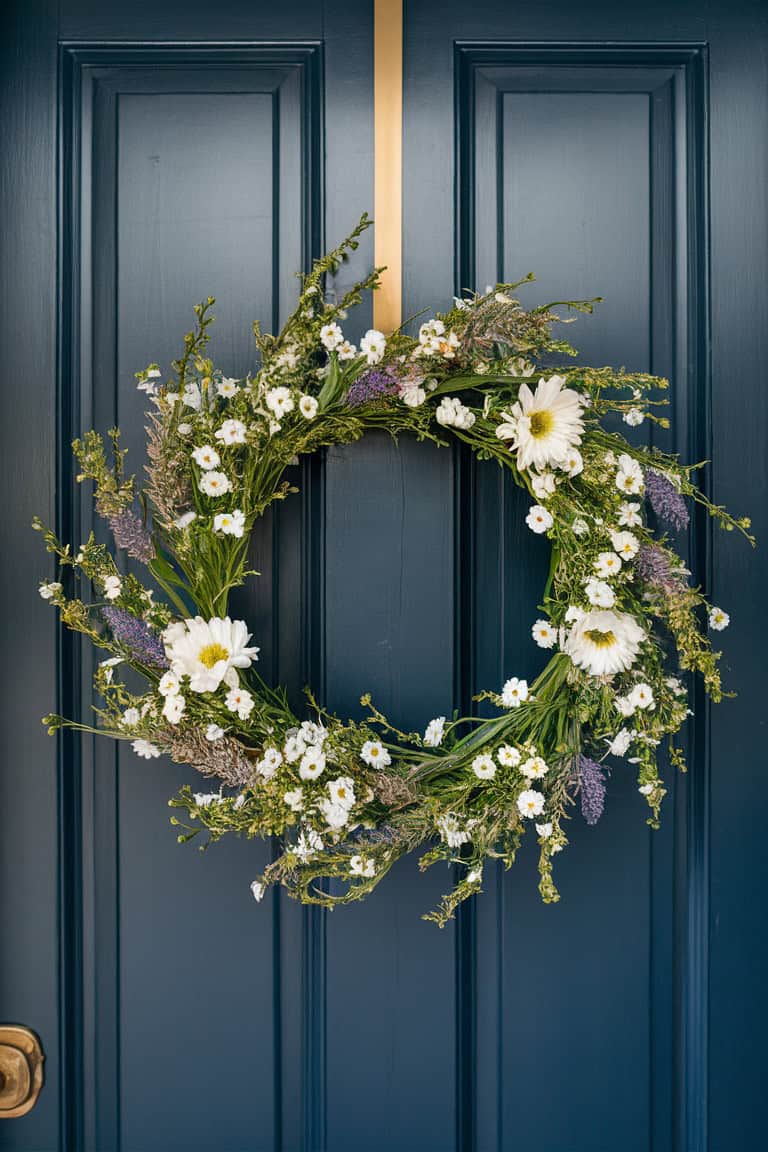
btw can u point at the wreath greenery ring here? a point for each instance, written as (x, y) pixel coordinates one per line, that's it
(348, 798)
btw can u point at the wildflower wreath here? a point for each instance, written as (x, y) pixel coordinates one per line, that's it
(349, 798)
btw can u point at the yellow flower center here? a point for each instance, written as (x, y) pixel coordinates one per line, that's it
(600, 639)
(341, 793)
(541, 423)
(211, 654)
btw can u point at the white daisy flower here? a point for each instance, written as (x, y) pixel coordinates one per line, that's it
(312, 764)
(620, 743)
(544, 830)
(484, 767)
(433, 736)
(346, 351)
(213, 733)
(572, 463)
(629, 515)
(625, 544)
(288, 358)
(508, 756)
(452, 831)
(599, 594)
(544, 634)
(373, 345)
(543, 426)
(412, 395)
(279, 401)
(169, 684)
(215, 483)
(173, 709)
(232, 431)
(269, 763)
(294, 749)
(184, 521)
(579, 527)
(206, 457)
(629, 477)
(230, 523)
(538, 519)
(604, 642)
(342, 791)
(374, 753)
(514, 692)
(360, 866)
(146, 749)
(48, 591)
(607, 564)
(543, 485)
(227, 387)
(430, 330)
(113, 586)
(641, 696)
(294, 799)
(530, 803)
(534, 768)
(331, 336)
(624, 706)
(206, 650)
(718, 619)
(336, 816)
(308, 407)
(239, 701)
(313, 733)
(634, 417)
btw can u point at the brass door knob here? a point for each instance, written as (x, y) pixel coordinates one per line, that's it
(21, 1070)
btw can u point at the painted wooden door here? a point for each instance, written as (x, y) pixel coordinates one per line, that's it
(159, 152)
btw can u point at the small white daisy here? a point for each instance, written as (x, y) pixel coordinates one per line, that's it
(239, 701)
(174, 706)
(279, 401)
(308, 407)
(530, 803)
(538, 519)
(294, 799)
(718, 619)
(634, 417)
(641, 696)
(508, 756)
(534, 768)
(373, 345)
(625, 544)
(230, 523)
(600, 594)
(374, 753)
(607, 564)
(514, 692)
(213, 733)
(145, 749)
(206, 457)
(484, 767)
(312, 764)
(227, 387)
(629, 515)
(331, 336)
(231, 432)
(169, 684)
(433, 736)
(215, 484)
(48, 591)
(544, 634)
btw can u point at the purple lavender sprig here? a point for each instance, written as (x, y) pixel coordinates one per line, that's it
(592, 789)
(130, 534)
(136, 635)
(665, 500)
(654, 568)
(372, 385)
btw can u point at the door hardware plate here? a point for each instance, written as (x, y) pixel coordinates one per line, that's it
(21, 1070)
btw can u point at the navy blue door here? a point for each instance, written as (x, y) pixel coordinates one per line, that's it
(156, 153)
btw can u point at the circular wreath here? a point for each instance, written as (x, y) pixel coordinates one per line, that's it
(349, 798)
